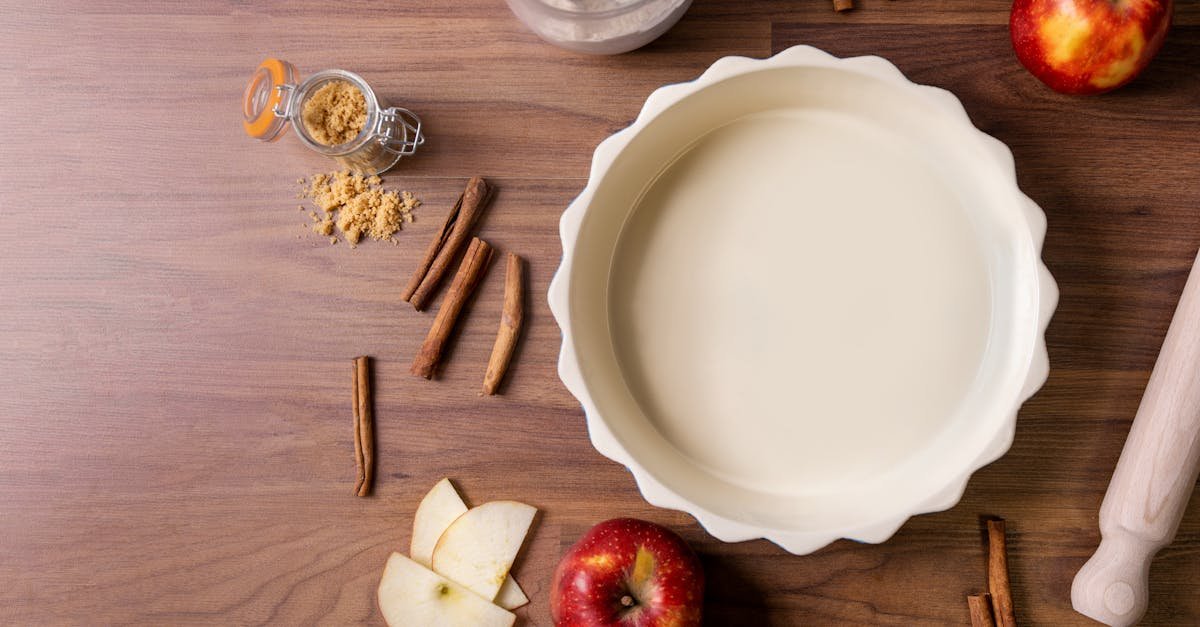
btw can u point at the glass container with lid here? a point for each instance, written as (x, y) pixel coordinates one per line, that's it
(273, 100)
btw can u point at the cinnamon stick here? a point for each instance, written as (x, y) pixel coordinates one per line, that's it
(511, 320)
(360, 471)
(998, 587)
(843, 5)
(445, 246)
(981, 610)
(364, 428)
(470, 271)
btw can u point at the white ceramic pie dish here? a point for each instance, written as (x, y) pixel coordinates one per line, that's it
(802, 299)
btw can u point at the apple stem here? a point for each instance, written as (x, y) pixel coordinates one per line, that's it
(627, 601)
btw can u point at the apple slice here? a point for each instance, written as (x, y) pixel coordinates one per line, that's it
(478, 548)
(440, 507)
(437, 510)
(410, 594)
(511, 596)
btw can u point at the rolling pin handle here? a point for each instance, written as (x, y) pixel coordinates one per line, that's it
(1113, 587)
(1154, 477)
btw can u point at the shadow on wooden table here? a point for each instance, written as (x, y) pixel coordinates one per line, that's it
(729, 597)
(1175, 63)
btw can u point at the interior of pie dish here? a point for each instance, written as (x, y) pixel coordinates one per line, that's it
(805, 298)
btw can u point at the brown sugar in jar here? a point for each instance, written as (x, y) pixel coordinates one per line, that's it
(334, 112)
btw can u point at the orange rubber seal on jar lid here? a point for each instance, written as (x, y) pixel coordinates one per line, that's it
(263, 97)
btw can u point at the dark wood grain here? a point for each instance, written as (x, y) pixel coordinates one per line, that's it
(174, 436)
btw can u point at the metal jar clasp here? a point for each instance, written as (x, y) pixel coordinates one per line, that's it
(400, 130)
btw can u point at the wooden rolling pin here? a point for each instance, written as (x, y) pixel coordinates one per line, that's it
(1154, 477)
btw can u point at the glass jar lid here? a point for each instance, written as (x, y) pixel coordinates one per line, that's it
(264, 98)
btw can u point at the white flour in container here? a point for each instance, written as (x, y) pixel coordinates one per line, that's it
(604, 26)
(638, 20)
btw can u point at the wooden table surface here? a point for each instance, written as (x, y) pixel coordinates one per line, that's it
(175, 432)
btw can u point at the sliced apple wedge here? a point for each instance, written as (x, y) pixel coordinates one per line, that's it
(511, 596)
(478, 548)
(440, 507)
(411, 594)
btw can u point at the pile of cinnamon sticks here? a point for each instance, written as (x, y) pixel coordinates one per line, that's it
(994, 607)
(430, 272)
(455, 233)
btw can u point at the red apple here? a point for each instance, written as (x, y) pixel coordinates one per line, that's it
(629, 573)
(1088, 46)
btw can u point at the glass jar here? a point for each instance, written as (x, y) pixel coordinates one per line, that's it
(599, 26)
(273, 100)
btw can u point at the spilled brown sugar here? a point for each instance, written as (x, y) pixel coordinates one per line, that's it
(335, 113)
(357, 206)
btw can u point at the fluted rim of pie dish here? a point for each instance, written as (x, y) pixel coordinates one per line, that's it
(660, 495)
